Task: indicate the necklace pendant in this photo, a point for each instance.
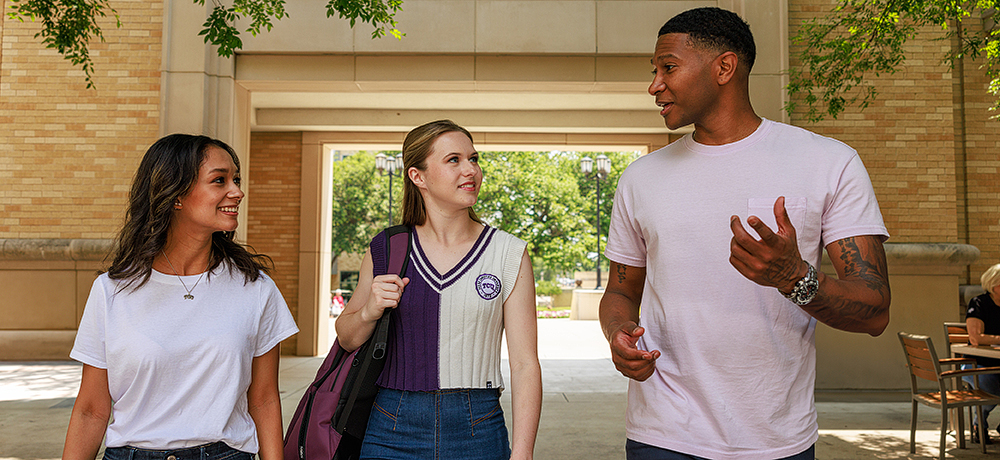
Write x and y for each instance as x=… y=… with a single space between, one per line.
x=188 y=297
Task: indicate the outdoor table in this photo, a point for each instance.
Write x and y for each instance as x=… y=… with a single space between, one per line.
x=985 y=351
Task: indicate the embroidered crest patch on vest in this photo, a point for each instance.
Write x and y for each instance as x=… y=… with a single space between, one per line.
x=488 y=286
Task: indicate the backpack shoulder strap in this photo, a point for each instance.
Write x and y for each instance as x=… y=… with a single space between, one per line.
x=397 y=241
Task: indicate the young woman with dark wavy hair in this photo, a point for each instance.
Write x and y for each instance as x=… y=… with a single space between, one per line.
x=179 y=338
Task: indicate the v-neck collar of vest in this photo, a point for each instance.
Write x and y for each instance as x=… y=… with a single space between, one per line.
x=440 y=282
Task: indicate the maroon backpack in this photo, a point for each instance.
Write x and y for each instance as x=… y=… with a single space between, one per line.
x=332 y=416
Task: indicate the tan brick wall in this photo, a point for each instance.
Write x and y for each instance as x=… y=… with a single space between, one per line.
x=275 y=173
x=981 y=224
x=906 y=137
x=67 y=153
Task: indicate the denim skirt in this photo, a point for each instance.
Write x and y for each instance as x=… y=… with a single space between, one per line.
x=214 y=451
x=444 y=424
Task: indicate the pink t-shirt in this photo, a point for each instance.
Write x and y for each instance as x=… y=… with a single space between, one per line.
x=737 y=371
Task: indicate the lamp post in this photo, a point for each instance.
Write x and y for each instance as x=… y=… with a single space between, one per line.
x=391 y=165
x=603 y=168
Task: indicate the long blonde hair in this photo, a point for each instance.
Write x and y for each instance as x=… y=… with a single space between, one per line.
x=416 y=148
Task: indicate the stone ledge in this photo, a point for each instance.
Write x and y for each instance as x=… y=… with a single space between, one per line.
x=54 y=249
x=44 y=345
x=952 y=254
x=923 y=258
x=946 y=254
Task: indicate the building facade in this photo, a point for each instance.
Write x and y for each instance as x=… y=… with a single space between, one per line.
x=539 y=74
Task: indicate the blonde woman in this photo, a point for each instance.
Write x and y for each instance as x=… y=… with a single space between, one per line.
x=465 y=285
x=983 y=321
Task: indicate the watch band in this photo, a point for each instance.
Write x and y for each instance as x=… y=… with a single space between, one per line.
x=806 y=288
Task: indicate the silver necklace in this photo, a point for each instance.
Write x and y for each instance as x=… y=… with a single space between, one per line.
x=187 y=296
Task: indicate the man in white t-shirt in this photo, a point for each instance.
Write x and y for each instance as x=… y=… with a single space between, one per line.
x=722 y=358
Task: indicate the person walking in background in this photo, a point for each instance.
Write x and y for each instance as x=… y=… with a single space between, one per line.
x=722 y=357
x=465 y=285
x=983 y=322
x=180 y=337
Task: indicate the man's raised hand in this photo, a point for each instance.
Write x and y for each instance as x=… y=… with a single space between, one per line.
x=774 y=260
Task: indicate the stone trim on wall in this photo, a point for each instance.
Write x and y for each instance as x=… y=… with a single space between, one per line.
x=950 y=257
x=54 y=249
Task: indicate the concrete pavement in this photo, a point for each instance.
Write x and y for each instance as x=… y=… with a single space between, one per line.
x=582 y=413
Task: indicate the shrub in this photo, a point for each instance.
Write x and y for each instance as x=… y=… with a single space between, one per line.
x=546 y=287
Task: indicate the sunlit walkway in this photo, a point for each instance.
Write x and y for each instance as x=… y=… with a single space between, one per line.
x=582 y=414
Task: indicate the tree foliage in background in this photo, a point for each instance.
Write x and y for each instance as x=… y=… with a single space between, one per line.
x=359 y=203
x=69 y=25
x=540 y=197
x=528 y=195
x=864 y=38
x=544 y=199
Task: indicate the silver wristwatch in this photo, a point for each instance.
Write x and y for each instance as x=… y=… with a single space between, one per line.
x=806 y=288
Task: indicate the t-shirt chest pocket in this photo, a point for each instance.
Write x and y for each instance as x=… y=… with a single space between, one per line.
x=796 y=206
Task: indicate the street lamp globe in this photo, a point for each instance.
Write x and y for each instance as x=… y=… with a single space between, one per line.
x=603 y=166
x=586 y=165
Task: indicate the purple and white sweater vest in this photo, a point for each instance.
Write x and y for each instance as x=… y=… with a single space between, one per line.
x=446 y=331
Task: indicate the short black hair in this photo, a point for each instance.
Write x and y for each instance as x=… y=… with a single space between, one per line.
x=717 y=29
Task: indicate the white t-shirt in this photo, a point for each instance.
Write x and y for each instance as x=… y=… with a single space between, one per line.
x=737 y=371
x=179 y=370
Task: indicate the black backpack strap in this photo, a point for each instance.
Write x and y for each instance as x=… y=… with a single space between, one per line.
x=371 y=356
x=397 y=242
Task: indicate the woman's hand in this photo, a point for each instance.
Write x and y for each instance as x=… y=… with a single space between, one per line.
x=385 y=293
x=371 y=297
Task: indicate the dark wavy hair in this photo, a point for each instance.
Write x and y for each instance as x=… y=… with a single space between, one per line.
x=717 y=29
x=166 y=172
x=416 y=148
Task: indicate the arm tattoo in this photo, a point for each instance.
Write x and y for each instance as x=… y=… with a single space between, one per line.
x=621 y=273
x=871 y=271
x=863 y=260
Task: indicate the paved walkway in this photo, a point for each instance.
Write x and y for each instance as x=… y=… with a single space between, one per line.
x=582 y=414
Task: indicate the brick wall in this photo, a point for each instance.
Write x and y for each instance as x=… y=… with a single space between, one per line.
x=275 y=173
x=906 y=137
x=67 y=153
x=980 y=226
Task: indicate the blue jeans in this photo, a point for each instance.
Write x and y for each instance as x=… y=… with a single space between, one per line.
x=215 y=451
x=445 y=424
x=635 y=450
x=989 y=383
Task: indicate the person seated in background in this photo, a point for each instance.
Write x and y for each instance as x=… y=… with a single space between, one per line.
x=983 y=321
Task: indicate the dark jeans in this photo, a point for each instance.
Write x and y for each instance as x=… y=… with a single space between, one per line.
x=462 y=424
x=638 y=451
x=215 y=451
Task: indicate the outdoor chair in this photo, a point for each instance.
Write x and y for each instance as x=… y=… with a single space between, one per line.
x=922 y=362
x=956 y=332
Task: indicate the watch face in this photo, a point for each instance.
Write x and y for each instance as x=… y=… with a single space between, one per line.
x=810 y=287
x=806 y=289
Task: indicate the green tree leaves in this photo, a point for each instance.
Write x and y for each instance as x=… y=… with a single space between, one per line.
x=378 y=13
x=68 y=25
x=540 y=197
x=544 y=199
x=864 y=38
x=219 y=28
x=360 y=202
